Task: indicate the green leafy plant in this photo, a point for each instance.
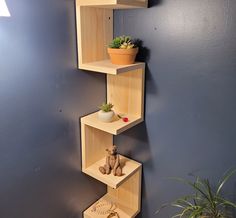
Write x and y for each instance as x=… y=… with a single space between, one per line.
x=106 y=107
x=206 y=201
x=122 y=42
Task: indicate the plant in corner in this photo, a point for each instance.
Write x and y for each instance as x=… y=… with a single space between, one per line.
x=206 y=201
x=122 y=50
x=106 y=113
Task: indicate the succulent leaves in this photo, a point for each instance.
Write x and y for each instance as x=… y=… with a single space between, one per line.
x=122 y=42
x=106 y=107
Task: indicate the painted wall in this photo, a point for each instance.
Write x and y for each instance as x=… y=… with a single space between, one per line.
x=42 y=96
x=190 y=122
x=190 y=95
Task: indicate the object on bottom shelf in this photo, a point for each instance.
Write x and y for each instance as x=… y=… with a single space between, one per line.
x=104 y=207
x=112 y=163
x=113 y=214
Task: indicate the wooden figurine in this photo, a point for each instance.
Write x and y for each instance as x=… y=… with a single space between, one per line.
x=112 y=163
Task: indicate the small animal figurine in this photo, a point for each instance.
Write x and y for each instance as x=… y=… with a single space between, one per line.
x=112 y=163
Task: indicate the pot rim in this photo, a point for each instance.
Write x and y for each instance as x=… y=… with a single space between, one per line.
x=123 y=51
x=106 y=112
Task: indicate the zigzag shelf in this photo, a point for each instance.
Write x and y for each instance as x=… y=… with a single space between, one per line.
x=115 y=128
x=125 y=89
x=129 y=168
x=114 y=4
x=105 y=66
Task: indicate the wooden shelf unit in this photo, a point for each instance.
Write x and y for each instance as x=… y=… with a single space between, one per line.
x=126 y=198
x=125 y=89
x=129 y=168
x=105 y=66
x=95 y=32
x=116 y=127
x=114 y=4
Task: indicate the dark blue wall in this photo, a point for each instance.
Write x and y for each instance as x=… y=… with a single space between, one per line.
x=190 y=103
x=190 y=94
x=42 y=96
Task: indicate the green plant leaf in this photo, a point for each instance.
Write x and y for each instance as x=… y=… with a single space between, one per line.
x=226 y=177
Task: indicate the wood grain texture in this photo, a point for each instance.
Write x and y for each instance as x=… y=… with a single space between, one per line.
x=115 y=127
x=105 y=66
x=129 y=167
x=94 y=144
x=94 y=33
x=125 y=89
x=114 y=4
x=127 y=198
x=126 y=92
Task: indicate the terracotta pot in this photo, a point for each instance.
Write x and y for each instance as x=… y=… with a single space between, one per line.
x=106 y=117
x=122 y=56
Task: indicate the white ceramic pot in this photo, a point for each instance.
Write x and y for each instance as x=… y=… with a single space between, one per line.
x=106 y=117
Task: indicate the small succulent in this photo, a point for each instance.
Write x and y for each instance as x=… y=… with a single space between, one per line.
x=122 y=42
x=106 y=107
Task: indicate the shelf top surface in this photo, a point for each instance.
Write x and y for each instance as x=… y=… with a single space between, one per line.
x=115 y=127
x=123 y=212
x=106 y=66
x=114 y=4
x=128 y=169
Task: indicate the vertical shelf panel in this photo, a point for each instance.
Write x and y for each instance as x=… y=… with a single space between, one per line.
x=127 y=198
x=94 y=33
x=129 y=193
x=94 y=144
x=125 y=89
x=126 y=92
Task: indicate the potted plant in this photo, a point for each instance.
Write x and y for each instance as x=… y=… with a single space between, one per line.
x=106 y=113
x=206 y=200
x=122 y=50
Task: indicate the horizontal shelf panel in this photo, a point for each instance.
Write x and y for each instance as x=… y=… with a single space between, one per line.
x=122 y=211
x=128 y=169
x=115 y=127
x=106 y=66
x=114 y=4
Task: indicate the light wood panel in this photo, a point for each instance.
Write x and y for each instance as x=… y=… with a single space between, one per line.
x=125 y=89
x=124 y=212
x=105 y=66
x=127 y=198
x=126 y=92
x=115 y=4
x=129 y=193
x=116 y=127
x=94 y=144
x=129 y=167
x=94 y=32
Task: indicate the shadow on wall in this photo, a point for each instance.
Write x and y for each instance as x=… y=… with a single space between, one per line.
x=152 y=3
x=139 y=148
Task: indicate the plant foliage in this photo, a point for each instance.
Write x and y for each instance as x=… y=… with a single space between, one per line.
x=122 y=42
x=106 y=107
x=206 y=200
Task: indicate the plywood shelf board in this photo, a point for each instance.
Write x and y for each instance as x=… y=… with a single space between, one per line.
x=115 y=127
x=94 y=33
x=114 y=4
x=94 y=144
x=125 y=89
x=126 y=92
x=105 y=66
x=129 y=168
x=124 y=212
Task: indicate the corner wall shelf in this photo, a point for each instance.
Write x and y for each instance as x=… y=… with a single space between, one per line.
x=114 y=4
x=129 y=168
x=116 y=127
x=125 y=89
x=107 y=67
